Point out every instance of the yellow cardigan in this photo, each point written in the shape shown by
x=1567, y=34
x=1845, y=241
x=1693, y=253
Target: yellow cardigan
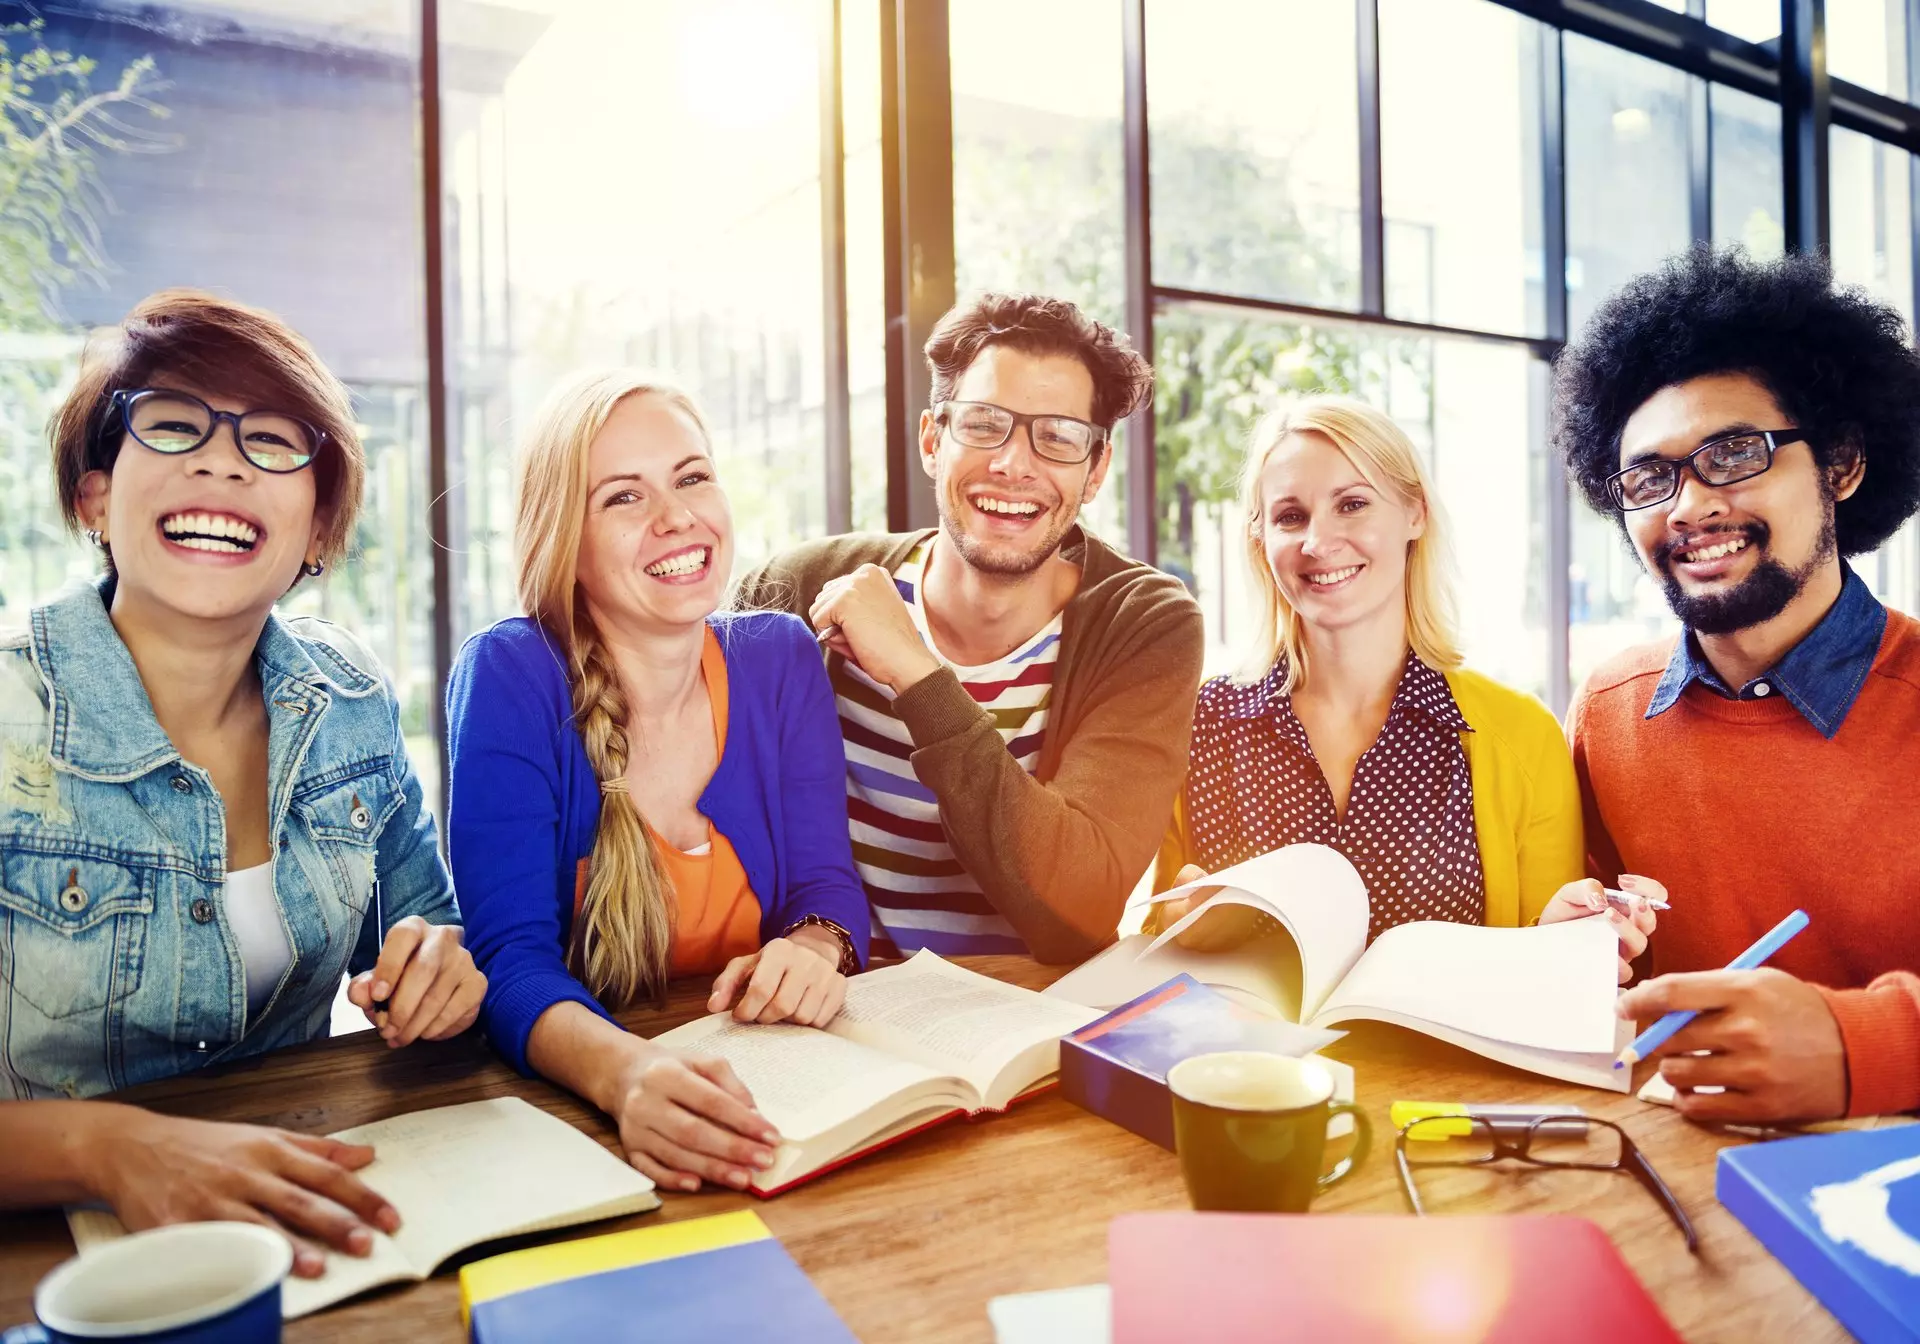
x=1526, y=803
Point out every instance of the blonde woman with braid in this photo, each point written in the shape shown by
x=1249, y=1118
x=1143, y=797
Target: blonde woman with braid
x=644, y=788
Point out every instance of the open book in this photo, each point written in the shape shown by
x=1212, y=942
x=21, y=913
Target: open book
x=459, y=1175
x=915, y=1044
x=1539, y=999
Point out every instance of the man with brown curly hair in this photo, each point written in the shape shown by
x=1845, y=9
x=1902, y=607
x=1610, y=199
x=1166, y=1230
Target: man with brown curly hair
x=1015, y=695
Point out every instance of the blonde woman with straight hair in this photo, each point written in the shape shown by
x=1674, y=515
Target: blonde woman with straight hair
x=644, y=788
x=1355, y=724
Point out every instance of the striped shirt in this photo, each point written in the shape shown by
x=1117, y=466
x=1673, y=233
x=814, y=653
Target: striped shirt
x=921, y=896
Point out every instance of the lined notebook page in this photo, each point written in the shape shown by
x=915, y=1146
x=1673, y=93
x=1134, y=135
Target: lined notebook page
x=459, y=1175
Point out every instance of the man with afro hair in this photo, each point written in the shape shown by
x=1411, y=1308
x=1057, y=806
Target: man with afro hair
x=1750, y=427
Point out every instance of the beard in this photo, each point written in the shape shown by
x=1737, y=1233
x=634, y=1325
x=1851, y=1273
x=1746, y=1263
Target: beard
x=1758, y=598
x=1007, y=560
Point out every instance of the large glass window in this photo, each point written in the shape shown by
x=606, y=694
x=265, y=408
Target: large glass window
x=1627, y=181
x=1867, y=44
x=637, y=185
x=1255, y=148
x=270, y=154
x=1749, y=191
x=1754, y=20
x=1463, y=230
x=1627, y=194
x=1871, y=206
x=1038, y=167
x=1467, y=406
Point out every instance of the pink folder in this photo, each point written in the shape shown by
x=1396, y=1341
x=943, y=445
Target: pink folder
x=1231, y=1277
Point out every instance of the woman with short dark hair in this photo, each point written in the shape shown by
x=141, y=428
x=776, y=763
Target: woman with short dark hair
x=203, y=806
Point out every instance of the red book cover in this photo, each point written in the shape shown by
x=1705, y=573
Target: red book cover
x=1237, y=1278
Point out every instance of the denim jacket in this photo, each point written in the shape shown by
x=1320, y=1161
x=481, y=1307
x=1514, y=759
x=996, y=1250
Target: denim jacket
x=117, y=961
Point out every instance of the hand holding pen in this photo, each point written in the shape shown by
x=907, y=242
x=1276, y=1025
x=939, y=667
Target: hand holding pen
x=1748, y=1044
x=424, y=984
x=1631, y=911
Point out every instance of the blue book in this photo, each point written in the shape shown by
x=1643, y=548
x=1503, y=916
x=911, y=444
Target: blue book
x=1116, y=1066
x=1842, y=1212
x=717, y=1278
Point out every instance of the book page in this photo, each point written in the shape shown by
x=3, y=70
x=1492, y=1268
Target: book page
x=804, y=1080
x=957, y=1021
x=459, y=1175
x=1547, y=988
x=1315, y=894
x=1263, y=973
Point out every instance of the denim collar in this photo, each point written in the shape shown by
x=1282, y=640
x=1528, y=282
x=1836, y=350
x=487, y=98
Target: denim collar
x=1820, y=676
x=103, y=723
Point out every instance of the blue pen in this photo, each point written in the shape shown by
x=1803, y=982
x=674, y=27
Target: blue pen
x=1658, y=1034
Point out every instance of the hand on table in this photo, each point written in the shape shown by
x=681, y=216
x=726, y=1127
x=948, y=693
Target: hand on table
x=685, y=1118
x=427, y=980
x=1585, y=899
x=1229, y=927
x=157, y=1169
x=1772, y=1043
x=792, y=979
x=876, y=630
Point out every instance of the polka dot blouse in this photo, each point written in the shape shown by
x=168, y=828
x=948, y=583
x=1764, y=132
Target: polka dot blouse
x=1254, y=785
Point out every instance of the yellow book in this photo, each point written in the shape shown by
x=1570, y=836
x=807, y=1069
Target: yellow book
x=722, y=1277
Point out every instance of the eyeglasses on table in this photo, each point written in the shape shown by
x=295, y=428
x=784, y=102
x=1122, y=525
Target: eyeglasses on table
x=1567, y=1142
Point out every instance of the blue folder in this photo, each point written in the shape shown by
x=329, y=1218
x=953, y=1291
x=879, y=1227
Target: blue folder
x=720, y=1278
x=1842, y=1212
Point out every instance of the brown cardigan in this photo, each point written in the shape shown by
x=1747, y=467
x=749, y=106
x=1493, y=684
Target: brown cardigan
x=1055, y=852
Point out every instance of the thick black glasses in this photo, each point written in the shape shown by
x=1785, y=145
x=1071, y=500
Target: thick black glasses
x=1058, y=438
x=1551, y=1141
x=1722, y=461
x=177, y=422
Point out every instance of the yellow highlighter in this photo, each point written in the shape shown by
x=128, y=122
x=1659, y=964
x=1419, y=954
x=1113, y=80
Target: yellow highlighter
x=1501, y=1119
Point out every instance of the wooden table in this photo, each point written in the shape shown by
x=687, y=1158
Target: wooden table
x=910, y=1243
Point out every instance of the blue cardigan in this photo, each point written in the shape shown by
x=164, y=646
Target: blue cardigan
x=525, y=804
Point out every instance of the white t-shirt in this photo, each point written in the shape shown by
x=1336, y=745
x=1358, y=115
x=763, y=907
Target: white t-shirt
x=265, y=950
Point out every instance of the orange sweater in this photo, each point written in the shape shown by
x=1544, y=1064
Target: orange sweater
x=1746, y=812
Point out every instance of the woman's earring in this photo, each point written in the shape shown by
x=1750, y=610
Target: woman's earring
x=96, y=537
x=313, y=569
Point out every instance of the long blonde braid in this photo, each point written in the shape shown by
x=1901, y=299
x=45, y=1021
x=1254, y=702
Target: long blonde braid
x=623, y=934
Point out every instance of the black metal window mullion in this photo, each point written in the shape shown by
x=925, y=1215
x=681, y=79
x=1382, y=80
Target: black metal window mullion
x=441, y=545
x=1553, y=219
x=1143, y=511
x=1373, y=228
x=1912, y=95
x=916, y=167
x=835, y=409
x=1806, y=112
x=1699, y=152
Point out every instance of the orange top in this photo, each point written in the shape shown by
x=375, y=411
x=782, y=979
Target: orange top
x=1745, y=811
x=716, y=916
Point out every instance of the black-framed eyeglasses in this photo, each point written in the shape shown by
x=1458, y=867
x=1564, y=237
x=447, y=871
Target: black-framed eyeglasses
x=1576, y=1143
x=1057, y=438
x=1721, y=461
x=173, y=422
